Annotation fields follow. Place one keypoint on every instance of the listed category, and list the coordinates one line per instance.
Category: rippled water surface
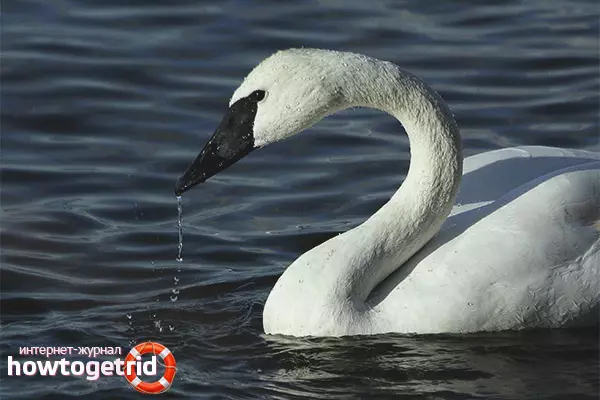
(105, 103)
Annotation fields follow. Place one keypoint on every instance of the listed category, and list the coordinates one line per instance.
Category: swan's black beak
(232, 140)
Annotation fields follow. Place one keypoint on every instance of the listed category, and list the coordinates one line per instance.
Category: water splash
(158, 325)
(179, 229)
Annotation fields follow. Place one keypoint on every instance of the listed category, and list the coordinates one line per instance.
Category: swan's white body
(521, 248)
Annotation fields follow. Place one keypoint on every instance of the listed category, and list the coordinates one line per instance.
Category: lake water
(105, 103)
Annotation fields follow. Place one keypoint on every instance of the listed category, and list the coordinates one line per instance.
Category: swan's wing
(490, 175)
(537, 253)
(529, 258)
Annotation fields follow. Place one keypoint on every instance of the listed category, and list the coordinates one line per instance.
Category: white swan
(521, 249)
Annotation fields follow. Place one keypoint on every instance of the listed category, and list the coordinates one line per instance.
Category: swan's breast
(311, 297)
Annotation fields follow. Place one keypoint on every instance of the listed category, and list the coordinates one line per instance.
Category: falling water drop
(158, 326)
(179, 229)
(175, 292)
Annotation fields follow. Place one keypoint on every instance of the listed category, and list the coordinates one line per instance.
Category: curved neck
(419, 207)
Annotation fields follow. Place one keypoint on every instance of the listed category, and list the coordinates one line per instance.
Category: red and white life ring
(164, 382)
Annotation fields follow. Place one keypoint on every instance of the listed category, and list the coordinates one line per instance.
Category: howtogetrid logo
(132, 368)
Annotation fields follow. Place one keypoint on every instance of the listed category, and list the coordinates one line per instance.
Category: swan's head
(284, 94)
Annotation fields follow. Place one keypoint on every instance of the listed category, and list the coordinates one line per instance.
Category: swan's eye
(258, 95)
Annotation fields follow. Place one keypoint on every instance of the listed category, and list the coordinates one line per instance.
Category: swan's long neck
(326, 290)
(417, 210)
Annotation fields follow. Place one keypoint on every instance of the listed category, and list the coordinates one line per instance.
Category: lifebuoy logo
(138, 373)
(134, 357)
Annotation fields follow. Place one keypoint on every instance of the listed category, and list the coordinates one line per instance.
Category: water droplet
(171, 328)
(288, 107)
(345, 64)
(179, 229)
(469, 304)
(175, 280)
(175, 291)
(174, 298)
(128, 316)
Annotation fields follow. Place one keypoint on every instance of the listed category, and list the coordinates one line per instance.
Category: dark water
(104, 104)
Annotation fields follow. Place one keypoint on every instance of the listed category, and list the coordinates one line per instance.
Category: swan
(503, 240)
